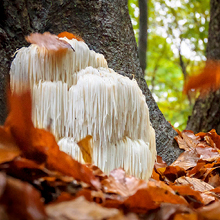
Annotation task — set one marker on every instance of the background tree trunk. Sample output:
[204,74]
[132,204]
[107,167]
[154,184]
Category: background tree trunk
[104,25]
[206,112]
[142,41]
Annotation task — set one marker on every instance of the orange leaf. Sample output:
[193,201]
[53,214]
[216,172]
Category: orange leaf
[20,125]
[186,216]
[152,196]
[186,190]
[8,148]
[211,212]
[207,79]
[70,36]
[85,146]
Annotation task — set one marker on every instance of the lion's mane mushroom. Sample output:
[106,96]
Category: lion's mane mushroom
[73,87]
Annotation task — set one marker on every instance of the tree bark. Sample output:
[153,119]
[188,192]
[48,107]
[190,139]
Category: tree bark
[142,41]
[206,112]
[104,25]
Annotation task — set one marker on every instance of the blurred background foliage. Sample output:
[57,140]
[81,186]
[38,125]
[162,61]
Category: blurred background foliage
[176,43]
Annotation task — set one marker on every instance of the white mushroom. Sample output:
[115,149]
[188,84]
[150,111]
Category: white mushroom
[81,96]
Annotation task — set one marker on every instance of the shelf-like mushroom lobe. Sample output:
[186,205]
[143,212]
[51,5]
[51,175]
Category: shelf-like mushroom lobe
[78,95]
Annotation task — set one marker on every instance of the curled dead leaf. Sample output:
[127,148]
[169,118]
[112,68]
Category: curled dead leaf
[49,41]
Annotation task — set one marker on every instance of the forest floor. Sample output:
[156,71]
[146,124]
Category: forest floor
[38,181]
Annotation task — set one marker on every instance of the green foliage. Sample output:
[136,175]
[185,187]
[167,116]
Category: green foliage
[175,28]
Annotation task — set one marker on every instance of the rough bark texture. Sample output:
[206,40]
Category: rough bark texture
[104,25]
[142,41]
[206,112]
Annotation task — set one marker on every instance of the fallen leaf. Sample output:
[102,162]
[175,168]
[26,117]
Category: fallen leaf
[97,172]
[187,159]
[198,170]
[8,148]
[211,212]
[174,172]
[80,208]
[208,79]
[186,216]
[70,36]
[207,153]
[187,140]
[167,211]
[198,185]
[2,183]
[85,146]
[121,184]
[22,201]
[49,41]
[19,124]
[195,184]
[192,196]
[159,162]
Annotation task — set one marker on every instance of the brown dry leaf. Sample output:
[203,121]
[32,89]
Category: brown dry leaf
[19,124]
[86,147]
[187,192]
[22,201]
[8,148]
[198,170]
[155,175]
[198,185]
[151,197]
[182,144]
[161,192]
[2,183]
[190,138]
[187,140]
[208,79]
[121,184]
[211,212]
[187,159]
[49,41]
[186,216]
[159,163]
[80,208]
[195,184]
[167,211]
[207,153]
[215,137]
[174,172]
[70,36]
[97,172]
[214,180]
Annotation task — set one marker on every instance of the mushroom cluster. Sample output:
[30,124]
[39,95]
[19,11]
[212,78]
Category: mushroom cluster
[75,92]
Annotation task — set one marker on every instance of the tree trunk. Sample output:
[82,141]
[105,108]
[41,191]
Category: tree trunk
[142,41]
[104,25]
[206,112]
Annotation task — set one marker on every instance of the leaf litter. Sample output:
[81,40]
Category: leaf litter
[38,181]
